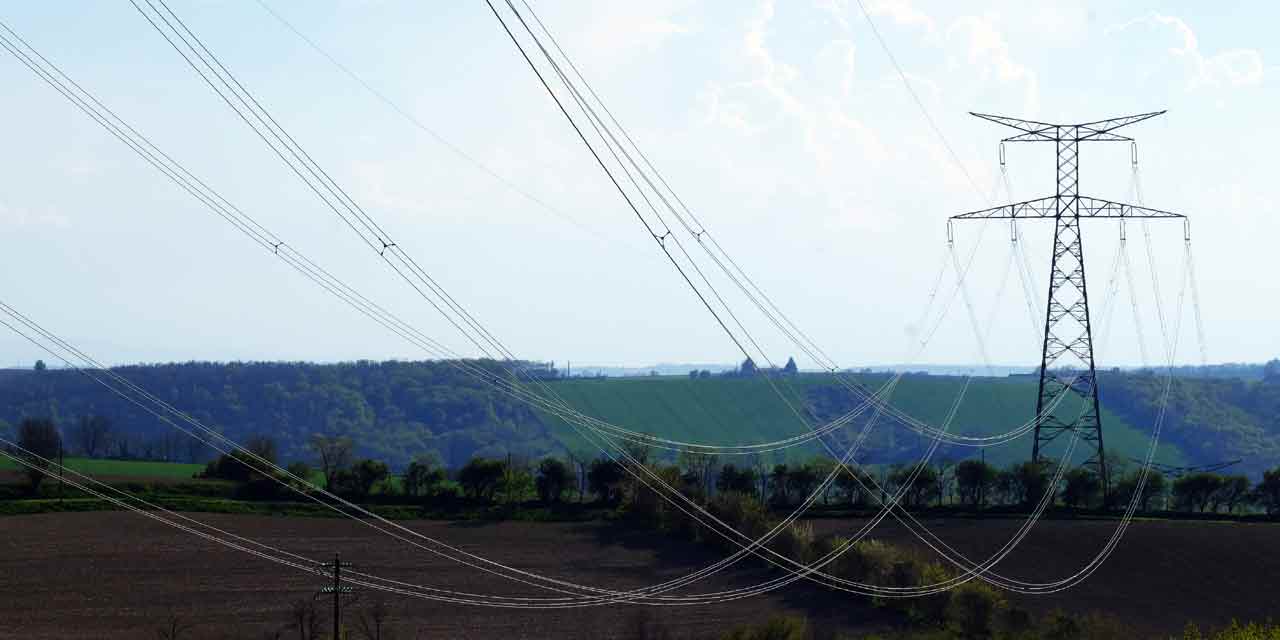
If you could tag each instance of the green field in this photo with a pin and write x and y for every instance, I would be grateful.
(123, 468)
(734, 410)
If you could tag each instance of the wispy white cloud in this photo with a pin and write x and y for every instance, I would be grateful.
(1230, 67)
(987, 50)
(902, 12)
(620, 29)
(23, 217)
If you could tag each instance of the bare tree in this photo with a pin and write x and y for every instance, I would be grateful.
(124, 446)
(580, 464)
(175, 627)
(700, 465)
(372, 623)
(92, 434)
(41, 442)
(760, 466)
(305, 619)
(334, 454)
(195, 450)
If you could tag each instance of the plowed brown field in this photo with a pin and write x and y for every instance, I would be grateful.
(118, 575)
(1161, 575)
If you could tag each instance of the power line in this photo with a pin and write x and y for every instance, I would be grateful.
(384, 241)
(432, 133)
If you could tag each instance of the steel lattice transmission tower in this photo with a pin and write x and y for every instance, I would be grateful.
(1066, 360)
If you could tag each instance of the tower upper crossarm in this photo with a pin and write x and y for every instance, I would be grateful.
(1031, 129)
(1096, 131)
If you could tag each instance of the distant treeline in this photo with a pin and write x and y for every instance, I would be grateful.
(397, 411)
(394, 410)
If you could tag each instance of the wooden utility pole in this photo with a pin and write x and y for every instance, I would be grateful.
(337, 590)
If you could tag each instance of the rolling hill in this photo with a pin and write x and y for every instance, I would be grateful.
(398, 410)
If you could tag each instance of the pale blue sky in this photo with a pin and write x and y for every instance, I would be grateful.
(784, 127)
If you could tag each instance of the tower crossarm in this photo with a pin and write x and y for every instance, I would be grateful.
(1096, 131)
(1099, 208)
(1047, 208)
(1102, 127)
(1032, 130)
(1038, 208)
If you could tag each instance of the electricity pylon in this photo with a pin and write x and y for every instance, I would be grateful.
(1066, 360)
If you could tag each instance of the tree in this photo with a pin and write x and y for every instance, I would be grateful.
(761, 468)
(1030, 482)
(748, 368)
(40, 365)
(554, 478)
(1267, 493)
(1271, 371)
(305, 619)
(363, 477)
(1008, 488)
(915, 492)
(732, 478)
(699, 466)
(175, 627)
(581, 462)
(517, 482)
(300, 470)
(1196, 491)
(1233, 492)
(802, 481)
(372, 621)
(480, 477)
(790, 368)
(92, 435)
(854, 488)
(822, 467)
(334, 455)
(1082, 488)
(1154, 488)
(263, 447)
(423, 476)
(605, 479)
(228, 466)
(974, 479)
(778, 484)
(41, 441)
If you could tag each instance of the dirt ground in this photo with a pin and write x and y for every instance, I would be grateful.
(1162, 574)
(118, 575)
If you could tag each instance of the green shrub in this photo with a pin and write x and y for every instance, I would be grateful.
(1236, 631)
(795, 541)
(930, 609)
(777, 628)
(869, 561)
(973, 610)
(1060, 626)
(740, 511)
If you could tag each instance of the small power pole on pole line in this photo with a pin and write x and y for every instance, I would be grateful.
(337, 591)
(1066, 359)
